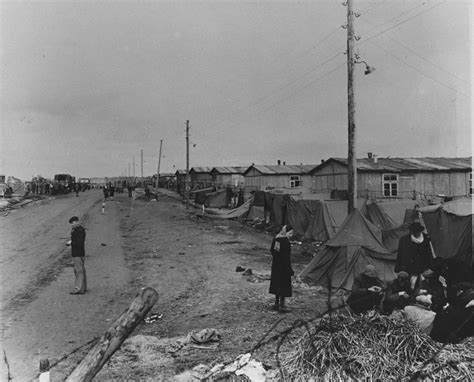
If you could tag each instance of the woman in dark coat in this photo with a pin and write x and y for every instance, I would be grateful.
(280, 281)
(414, 253)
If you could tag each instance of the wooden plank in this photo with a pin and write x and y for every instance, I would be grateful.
(110, 342)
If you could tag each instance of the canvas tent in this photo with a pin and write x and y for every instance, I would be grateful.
(200, 195)
(299, 213)
(255, 212)
(311, 217)
(322, 225)
(218, 199)
(239, 212)
(450, 227)
(357, 243)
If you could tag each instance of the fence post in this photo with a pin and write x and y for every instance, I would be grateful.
(44, 370)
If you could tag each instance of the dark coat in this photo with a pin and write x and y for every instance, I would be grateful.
(361, 298)
(433, 286)
(457, 322)
(392, 299)
(280, 281)
(457, 271)
(78, 237)
(413, 258)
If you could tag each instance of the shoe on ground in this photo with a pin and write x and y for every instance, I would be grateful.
(284, 309)
(75, 291)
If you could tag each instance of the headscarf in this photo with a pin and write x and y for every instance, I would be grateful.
(284, 231)
(403, 275)
(370, 271)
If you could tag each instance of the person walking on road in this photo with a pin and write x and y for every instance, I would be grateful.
(280, 280)
(78, 237)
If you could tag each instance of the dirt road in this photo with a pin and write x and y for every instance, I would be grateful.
(190, 261)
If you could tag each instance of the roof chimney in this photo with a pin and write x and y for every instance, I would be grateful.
(284, 163)
(375, 158)
(322, 160)
(278, 162)
(369, 155)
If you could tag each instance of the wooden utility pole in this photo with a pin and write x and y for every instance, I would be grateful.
(129, 170)
(133, 167)
(186, 182)
(110, 342)
(141, 154)
(351, 126)
(159, 162)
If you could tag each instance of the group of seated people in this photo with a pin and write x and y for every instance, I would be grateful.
(436, 293)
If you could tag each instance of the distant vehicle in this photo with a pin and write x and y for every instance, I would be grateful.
(85, 183)
(63, 183)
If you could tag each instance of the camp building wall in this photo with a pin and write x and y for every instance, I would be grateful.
(256, 180)
(227, 179)
(447, 183)
(219, 179)
(330, 177)
(334, 176)
(200, 177)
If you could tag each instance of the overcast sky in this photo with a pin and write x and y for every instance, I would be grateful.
(85, 85)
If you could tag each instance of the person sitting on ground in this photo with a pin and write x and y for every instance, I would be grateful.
(429, 284)
(398, 293)
(280, 279)
(366, 291)
(453, 271)
(414, 253)
(457, 321)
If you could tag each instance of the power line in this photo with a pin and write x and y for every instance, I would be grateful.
(366, 10)
(279, 89)
(400, 23)
(298, 90)
(371, 7)
(304, 87)
(415, 69)
(333, 57)
(293, 81)
(398, 16)
(423, 58)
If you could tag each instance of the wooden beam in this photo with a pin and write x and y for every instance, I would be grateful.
(113, 338)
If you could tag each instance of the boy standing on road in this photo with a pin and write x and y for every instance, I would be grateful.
(78, 237)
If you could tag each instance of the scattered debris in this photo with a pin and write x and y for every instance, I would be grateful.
(239, 269)
(256, 277)
(244, 365)
(153, 318)
(204, 336)
(103, 244)
(230, 242)
(248, 272)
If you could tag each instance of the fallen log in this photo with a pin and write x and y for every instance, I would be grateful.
(110, 342)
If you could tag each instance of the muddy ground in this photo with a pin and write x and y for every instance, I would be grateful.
(191, 261)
